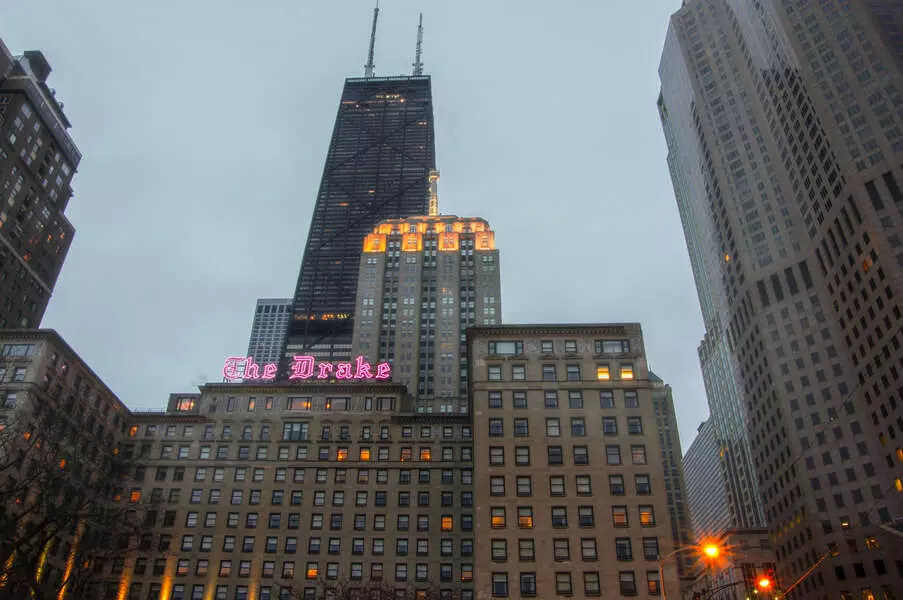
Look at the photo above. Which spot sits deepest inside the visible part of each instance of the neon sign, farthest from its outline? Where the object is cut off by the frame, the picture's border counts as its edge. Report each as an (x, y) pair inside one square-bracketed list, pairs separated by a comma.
[(306, 367)]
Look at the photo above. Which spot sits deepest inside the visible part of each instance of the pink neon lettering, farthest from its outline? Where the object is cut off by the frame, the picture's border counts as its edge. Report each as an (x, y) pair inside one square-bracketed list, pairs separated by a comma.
[(323, 370), (230, 369), (302, 367), (363, 369), (383, 370), (269, 371), (343, 371), (252, 369)]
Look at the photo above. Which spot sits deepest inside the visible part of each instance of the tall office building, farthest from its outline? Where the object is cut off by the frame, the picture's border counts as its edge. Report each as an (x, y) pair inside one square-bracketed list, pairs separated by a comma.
[(37, 162), (707, 490), (783, 123), (423, 281), (378, 165), (271, 318)]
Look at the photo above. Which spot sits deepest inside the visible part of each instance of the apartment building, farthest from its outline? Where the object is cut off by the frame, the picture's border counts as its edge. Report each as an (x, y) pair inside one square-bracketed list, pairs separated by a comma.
[(570, 482)]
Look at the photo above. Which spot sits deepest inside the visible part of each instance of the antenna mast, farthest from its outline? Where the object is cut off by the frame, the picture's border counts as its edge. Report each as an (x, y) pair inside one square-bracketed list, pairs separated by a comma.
[(368, 68), (418, 64)]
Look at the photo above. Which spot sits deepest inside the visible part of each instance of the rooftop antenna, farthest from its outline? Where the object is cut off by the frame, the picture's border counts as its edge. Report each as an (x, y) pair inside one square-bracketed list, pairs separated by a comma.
[(368, 68), (434, 191), (418, 64)]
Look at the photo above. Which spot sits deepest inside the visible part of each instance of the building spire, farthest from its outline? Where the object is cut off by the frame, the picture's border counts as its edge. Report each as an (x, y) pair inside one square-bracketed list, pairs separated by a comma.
[(434, 191), (418, 64), (368, 68)]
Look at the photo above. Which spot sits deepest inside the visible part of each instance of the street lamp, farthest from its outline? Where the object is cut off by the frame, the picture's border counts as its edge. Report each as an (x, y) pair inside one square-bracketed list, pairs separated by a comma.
[(764, 583), (710, 550)]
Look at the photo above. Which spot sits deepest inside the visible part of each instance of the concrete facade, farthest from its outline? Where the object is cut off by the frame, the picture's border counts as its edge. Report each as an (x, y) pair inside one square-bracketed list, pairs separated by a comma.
[(570, 485), (271, 318), (784, 123), (37, 162)]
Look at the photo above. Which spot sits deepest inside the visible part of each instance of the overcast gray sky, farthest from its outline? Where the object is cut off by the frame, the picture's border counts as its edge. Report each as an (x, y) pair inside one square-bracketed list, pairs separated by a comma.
[(204, 126)]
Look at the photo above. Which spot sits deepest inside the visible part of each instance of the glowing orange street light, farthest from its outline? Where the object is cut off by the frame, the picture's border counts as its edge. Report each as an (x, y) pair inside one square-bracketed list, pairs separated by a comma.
[(711, 550), (764, 583)]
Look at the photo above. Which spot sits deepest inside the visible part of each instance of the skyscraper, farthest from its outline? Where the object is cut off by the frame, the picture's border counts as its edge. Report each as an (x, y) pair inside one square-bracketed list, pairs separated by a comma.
[(37, 162), (271, 318), (380, 157), (707, 489), (784, 124), (423, 281)]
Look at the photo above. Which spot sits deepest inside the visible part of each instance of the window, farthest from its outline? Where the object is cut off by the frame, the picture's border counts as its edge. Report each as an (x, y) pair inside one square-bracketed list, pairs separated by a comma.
[(556, 456), (612, 455), (497, 517), (573, 372), (548, 373), (575, 399), (627, 582), (496, 486), (519, 400), (518, 372), (498, 550), (578, 427), (551, 399), (524, 485), (561, 549), (528, 584), (581, 455), (522, 455), (591, 584), (606, 399), (635, 425), (643, 486), (506, 348), (647, 516), (609, 426), (631, 400), (495, 400), (496, 428), (650, 548), (553, 427), (653, 584), (603, 373), (526, 550), (495, 373), (525, 517), (626, 371), (499, 585), (547, 347), (521, 428), (586, 516), (588, 550), (559, 517), (623, 549), (556, 485), (612, 346), (563, 584), (619, 516), (584, 485), (638, 455)]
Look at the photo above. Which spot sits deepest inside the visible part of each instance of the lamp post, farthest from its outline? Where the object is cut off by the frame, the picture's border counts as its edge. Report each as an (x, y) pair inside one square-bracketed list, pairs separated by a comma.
[(709, 550)]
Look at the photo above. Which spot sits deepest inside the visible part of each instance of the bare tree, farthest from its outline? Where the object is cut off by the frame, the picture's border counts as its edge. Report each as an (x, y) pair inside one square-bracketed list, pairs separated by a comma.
[(64, 517)]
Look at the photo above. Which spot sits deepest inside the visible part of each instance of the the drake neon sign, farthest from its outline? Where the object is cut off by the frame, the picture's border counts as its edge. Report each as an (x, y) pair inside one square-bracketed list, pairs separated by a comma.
[(305, 367)]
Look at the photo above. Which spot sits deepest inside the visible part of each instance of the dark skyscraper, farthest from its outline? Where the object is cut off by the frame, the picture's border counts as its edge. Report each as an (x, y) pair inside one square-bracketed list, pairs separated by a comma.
[(378, 166)]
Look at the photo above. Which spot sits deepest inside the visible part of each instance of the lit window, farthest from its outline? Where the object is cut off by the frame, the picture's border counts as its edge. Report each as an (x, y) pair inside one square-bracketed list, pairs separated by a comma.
[(447, 523), (313, 570), (425, 454), (365, 454), (133, 431), (626, 371), (525, 517), (497, 516), (342, 454), (603, 373), (647, 516), (135, 496)]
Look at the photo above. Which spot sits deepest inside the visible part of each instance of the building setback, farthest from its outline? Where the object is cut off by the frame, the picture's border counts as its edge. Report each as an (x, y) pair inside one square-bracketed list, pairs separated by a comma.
[(37, 162), (423, 281), (380, 157), (784, 124), (570, 483)]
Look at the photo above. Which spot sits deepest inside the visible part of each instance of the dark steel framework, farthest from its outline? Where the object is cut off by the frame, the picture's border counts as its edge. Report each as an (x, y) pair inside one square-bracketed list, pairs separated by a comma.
[(378, 166)]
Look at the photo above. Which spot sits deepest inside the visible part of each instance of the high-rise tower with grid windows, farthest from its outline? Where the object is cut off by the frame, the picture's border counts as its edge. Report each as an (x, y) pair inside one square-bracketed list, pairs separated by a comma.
[(784, 124)]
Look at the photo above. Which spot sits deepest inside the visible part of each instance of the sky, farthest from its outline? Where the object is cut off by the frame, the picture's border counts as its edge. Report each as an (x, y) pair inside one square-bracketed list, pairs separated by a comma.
[(204, 126)]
